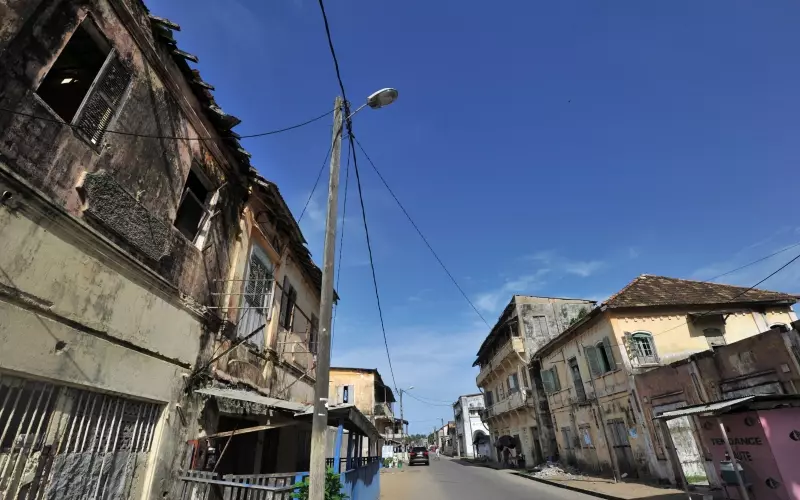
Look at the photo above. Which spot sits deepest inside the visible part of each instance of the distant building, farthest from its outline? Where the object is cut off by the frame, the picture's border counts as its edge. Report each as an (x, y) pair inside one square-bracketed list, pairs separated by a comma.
[(472, 435), (364, 387), (513, 404)]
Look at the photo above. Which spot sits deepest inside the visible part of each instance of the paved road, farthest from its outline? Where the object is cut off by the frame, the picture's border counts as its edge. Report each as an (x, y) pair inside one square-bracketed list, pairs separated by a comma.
[(450, 480)]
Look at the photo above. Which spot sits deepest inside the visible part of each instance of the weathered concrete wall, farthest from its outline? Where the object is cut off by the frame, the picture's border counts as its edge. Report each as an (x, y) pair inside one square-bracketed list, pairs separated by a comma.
[(543, 318), (144, 177), (364, 388), (762, 364), (97, 288)]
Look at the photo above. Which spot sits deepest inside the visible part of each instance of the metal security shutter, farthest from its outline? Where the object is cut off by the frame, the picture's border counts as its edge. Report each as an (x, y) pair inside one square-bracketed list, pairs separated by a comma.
[(103, 99), (59, 442)]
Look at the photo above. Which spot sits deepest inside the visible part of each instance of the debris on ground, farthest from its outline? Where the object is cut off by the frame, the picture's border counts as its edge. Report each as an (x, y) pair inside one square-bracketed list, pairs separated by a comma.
[(556, 469)]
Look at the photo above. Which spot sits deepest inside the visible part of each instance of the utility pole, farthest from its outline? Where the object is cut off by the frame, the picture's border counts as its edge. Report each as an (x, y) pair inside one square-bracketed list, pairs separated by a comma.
[(403, 423), (319, 422), (602, 419)]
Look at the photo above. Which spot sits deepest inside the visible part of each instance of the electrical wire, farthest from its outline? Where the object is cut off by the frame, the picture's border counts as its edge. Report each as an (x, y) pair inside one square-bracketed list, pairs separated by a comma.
[(426, 402), (341, 241), (148, 136), (424, 239), (316, 182), (686, 322), (349, 125), (754, 262)]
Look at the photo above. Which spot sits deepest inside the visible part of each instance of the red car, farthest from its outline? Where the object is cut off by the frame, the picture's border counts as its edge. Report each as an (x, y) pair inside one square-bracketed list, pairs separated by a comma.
[(418, 455)]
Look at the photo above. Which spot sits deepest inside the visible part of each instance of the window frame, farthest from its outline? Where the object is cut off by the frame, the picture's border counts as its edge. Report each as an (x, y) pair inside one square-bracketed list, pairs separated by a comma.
[(640, 356), (204, 224)]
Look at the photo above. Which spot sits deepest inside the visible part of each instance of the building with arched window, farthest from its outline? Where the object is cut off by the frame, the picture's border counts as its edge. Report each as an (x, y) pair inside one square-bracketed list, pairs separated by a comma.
[(589, 371)]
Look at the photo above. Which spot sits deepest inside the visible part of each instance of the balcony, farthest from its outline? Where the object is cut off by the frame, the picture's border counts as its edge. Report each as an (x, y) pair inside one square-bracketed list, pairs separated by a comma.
[(383, 410), (515, 401), (511, 348)]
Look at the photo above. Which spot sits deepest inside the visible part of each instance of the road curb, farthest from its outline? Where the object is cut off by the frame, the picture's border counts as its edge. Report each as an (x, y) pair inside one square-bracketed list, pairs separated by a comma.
[(571, 488)]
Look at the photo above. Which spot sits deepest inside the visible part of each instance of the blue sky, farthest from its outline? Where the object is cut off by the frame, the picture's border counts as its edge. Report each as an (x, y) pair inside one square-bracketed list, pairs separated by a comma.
[(556, 148)]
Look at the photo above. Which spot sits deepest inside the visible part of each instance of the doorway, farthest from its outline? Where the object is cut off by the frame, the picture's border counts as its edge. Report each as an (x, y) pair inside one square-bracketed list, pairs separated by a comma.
[(618, 434)]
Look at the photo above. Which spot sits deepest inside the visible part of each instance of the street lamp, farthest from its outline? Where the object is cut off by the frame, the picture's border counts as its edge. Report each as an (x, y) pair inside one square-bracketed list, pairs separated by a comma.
[(319, 422)]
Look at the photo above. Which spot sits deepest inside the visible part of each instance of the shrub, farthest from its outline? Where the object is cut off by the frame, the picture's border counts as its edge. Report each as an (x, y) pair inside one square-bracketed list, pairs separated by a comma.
[(333, 487)]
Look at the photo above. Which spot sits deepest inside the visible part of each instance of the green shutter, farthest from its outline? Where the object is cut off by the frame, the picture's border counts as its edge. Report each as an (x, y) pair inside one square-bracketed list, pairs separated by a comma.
[(594, 363), (547, 381), (612, 365), (556, 382)]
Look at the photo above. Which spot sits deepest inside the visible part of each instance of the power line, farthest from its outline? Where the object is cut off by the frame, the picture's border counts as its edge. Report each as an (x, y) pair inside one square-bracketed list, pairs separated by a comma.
[(316, 182), (424, 239), (686, 322), (735, 297), (754, 262), (341, 239), (426, 402), (372, 265), (148, 136), (349, 124)]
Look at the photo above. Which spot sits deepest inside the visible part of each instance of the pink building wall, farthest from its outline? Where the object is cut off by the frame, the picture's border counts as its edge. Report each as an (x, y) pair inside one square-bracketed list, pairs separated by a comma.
[(782, 430), (752, 449)]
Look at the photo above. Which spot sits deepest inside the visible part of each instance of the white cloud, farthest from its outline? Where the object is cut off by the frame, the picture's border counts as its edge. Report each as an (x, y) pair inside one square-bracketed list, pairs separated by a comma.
[(494, 300), (583, 269)]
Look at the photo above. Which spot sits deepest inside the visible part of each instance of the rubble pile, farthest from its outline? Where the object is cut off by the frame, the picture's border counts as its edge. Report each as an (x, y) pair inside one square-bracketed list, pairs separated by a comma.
[(555, 469)]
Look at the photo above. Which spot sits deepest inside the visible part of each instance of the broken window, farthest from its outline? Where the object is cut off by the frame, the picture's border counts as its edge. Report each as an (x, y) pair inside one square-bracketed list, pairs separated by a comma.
[(313, 334), (193, 207), (513, 384), (86, 83), (288, 301)]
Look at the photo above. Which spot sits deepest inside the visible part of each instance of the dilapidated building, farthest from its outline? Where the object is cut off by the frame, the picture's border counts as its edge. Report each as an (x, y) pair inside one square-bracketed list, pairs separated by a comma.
[(589, 372), (516, 405), (121, 193)]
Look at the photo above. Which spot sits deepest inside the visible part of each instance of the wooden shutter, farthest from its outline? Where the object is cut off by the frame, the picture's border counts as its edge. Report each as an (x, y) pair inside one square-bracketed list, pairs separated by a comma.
[(556, 382), (284, 302), (339, 394), (612, 365), (547, 381), (351, 394), (594, 363), (103, 99)]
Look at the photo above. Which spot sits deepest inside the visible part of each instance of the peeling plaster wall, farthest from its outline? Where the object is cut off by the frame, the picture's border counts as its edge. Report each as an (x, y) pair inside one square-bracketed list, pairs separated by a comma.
[(543, 319), (134, 184), (97, 288)]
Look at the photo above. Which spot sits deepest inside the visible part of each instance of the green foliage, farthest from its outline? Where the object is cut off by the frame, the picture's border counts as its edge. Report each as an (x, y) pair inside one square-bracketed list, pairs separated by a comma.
[(333, 487), (583, 311), (387, 462)]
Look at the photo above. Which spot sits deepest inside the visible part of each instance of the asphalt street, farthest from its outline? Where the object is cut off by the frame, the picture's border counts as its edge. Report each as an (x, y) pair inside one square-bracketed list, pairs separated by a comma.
[(453, 480)]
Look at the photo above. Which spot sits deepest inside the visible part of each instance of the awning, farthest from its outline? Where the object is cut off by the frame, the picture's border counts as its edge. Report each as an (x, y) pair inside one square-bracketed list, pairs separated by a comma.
[(746, 403), (242, 402)]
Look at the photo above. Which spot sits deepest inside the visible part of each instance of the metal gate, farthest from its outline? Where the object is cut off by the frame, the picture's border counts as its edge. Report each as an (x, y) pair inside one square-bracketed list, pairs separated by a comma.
[(618, 434), (58, 442)]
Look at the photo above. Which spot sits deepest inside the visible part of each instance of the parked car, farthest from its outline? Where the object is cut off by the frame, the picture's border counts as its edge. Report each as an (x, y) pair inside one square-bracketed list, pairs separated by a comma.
[(418, 455)]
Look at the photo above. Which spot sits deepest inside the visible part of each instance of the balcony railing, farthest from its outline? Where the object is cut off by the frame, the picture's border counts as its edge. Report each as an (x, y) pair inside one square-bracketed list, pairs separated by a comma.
[(513, 402), (514, 345), (383, 410)]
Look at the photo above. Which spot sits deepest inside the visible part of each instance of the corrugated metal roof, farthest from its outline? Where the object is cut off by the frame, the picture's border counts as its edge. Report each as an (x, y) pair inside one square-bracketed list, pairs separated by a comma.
[(706, 408), (252, 398)]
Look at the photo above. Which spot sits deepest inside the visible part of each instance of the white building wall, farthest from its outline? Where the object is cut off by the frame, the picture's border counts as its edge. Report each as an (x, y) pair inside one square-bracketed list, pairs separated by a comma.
[(469, 424)]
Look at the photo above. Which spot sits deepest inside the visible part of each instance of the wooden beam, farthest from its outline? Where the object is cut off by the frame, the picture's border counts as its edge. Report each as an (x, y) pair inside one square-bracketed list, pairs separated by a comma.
[(249, 429)]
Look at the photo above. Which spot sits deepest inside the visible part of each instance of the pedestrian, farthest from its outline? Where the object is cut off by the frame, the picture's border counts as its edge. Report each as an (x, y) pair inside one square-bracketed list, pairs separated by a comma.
[(438, 453)]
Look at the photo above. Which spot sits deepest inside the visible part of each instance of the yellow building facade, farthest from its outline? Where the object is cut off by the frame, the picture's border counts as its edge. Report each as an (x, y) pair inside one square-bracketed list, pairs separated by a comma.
[(588, 371)]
